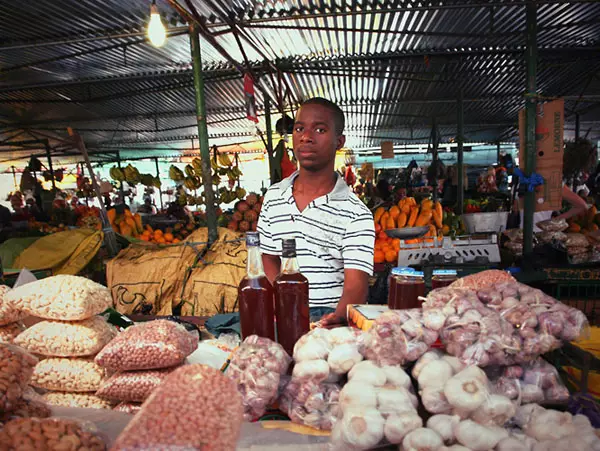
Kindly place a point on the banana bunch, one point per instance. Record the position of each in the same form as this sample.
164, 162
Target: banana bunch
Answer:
156, 183
147, 180
216, 179
197, 165
192, 182
233, 173
117, 174
195, 200
176, 174
240, 193
132, 175
224, 160
189, 170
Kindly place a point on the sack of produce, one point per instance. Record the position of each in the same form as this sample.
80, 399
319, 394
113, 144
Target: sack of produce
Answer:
49, 434
576, 240
8, 312
483, 279
515, 235
63, 297
256, 368
553, 225
9, 332
66, 338
549, 237
128, 407
146, 346
311, 403
16, 367
515, 247
574, 251
26, 408
132, 386
85, 400
398, 337
71, 375
196, 407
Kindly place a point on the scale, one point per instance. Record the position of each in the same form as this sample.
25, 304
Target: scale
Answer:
480, 249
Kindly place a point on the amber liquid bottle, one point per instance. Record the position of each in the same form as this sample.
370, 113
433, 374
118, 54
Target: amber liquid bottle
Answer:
291, 299
255, 295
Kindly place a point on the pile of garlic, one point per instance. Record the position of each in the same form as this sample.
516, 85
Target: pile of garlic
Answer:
377, 403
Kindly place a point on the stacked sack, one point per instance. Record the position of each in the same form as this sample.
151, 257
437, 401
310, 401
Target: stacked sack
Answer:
67, 339
10, 325
142, 357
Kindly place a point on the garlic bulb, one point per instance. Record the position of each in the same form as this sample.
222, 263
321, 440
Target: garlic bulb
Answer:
394, 400
357, 394
368, 373
512, 444
435, 374
444, 426
422, 439
343, 357
478, 437
396, 376
455, 363
429, 356
465, 391
317, 370
550, 425
495, 410
343, 335
360, 427
398, 425
434, 400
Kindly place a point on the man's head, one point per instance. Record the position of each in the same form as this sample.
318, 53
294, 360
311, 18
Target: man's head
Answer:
318, 134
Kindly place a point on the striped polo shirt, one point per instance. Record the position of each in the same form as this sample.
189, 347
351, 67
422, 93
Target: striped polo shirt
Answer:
333, 233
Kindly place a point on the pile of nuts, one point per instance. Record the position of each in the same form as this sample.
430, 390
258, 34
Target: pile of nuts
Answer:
48, 434
85, 400
133, 386
68, 374
196, 407
16, 367
10, 318
9, 332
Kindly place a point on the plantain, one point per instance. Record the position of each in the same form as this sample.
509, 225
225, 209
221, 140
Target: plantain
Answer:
216, 179
213, 164
189, 170
176, 174
197, 164
116, 174
224, 160
240, 193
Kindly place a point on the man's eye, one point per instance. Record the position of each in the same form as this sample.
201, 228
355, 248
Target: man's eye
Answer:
298, 129
321, 130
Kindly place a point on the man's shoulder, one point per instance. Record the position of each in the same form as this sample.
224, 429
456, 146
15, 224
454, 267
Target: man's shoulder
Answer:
356, 206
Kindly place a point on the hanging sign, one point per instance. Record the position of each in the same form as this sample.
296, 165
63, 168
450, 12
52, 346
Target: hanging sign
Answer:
387, 149
249, 98
549, 132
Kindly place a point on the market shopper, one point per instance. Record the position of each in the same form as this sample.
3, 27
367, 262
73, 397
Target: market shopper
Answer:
334, 230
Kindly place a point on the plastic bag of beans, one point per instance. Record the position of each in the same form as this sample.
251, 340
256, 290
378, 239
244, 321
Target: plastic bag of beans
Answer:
128, 407
146, 346
48, 434
85, 400
64, 374
67, 339
63, 297
132, 386
16, 367
10, 331
8, 313
196, 407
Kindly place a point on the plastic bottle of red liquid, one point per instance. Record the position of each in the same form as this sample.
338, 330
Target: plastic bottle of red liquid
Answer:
255, 294
291, 299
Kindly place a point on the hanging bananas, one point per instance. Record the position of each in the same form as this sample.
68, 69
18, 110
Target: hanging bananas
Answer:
117, 174
132, 175
176, 174
224, 160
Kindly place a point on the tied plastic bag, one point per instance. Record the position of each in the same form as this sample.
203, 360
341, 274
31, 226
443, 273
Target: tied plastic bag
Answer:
8, 313
132, 386
311, 403
16, 368
67, 298
9, 332
66, 338
146, 346
128, 407
483, 279
398, 337
553, 225
194, 408
49, 434
576, 240
71, 375
548, 237
256, 368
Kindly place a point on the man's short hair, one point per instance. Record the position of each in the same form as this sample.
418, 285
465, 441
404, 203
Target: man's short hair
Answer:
338, 114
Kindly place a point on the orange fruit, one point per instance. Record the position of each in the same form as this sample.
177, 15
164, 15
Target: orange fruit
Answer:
378, 257
176, 240
394, 212
377, 228
382, 236
160, 240
377, 245
158, 232
168, 237
391, 256
396, 243
145, 237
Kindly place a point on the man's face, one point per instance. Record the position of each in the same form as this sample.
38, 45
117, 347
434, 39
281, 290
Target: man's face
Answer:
315, 138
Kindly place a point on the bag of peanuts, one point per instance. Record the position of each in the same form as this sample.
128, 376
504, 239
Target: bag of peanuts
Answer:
196, 407
10, 331
8, 313
67, 339
63, 297
64, 374
132, 386
48, 434
26, 408
85, 400
16, 367
128, 407
146, 346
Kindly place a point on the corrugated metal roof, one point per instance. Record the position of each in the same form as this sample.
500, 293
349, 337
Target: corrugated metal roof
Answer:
392, 65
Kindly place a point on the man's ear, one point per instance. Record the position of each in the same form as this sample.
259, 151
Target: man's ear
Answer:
341, 140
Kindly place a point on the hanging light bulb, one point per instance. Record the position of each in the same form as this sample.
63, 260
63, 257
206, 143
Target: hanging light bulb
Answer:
157, 32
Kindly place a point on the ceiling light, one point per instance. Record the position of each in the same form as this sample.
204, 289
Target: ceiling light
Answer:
157, 32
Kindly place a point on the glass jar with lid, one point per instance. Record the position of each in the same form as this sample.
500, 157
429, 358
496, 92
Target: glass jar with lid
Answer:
443, 278
406, 286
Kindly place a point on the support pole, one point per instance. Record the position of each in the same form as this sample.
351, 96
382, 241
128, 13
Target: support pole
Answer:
498, 148
121, 189
577, 126
269, 133
50, 164
460, 165
434, 158
530, 123
209, 194
158, 177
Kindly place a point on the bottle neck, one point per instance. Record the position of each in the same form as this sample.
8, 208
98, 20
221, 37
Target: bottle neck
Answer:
289, 265
254, 264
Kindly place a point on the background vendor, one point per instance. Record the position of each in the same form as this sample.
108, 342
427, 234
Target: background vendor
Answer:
333, 229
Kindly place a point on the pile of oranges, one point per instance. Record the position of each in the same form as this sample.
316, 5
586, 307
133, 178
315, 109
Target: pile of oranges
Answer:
158, 236
386, 248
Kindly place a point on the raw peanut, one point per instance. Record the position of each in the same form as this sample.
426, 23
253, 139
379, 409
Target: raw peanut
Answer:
132, 386
151, 345
16, 367
128, 407
10, 331
8, 313
196, 407
67, 338
86, 400
48, 434
63, 297
68, 374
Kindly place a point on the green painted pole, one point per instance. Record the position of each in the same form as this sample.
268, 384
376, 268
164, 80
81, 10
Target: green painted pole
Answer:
460, 163
269, 139
530, 123
209, 194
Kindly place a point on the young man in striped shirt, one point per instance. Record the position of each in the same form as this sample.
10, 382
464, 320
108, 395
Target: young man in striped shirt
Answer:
333, 229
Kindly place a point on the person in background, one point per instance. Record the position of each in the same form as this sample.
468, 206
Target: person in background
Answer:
147, 208
19, 212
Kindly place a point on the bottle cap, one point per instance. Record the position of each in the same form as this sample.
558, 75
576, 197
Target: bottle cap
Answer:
288, 248
445, 272
252, 239
401, 270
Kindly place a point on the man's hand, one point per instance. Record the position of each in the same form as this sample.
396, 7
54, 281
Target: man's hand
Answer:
332, 320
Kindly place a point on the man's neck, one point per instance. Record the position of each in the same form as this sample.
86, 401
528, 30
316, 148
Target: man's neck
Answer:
321, 182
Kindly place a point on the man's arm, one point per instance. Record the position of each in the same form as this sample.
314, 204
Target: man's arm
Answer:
356, 289
272, 265
577, 204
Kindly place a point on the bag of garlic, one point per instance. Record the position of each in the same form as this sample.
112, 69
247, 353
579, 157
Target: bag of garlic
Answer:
310, 403
256, 368
398, 337
503, 324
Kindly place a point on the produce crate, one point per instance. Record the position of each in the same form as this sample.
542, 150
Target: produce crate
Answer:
583, 295
573, 357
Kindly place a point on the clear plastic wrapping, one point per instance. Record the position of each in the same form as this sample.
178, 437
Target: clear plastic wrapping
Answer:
67, 338
9, 332
196, 407
548, 237
553, 225
128, 407
576, 240
150, 345
132, 386
71, 375
85, 400
51, 434
310, 403
26, 408
62, 297
8, 313
16, 367
256, 368
483, 279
